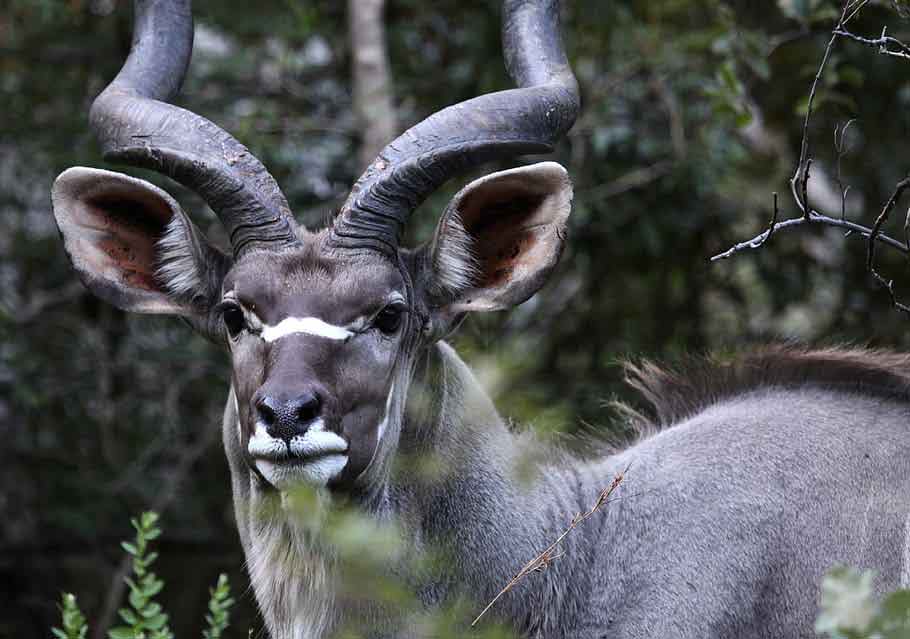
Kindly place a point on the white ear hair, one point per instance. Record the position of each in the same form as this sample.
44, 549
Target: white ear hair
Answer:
454, 261
178, 268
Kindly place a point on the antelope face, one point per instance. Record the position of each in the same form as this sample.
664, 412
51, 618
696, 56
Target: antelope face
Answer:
314, 336
322, 337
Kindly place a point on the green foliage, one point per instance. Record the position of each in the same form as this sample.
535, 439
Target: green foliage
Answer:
74, 626
144, 618
808, 11
902, 7
371, 556
220, 604
850, 611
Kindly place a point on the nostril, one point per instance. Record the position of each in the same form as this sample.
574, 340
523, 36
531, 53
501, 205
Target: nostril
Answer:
266, 412
309, 409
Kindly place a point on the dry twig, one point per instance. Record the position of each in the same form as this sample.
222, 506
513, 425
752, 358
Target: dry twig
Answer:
800, 180
882, 43
543, 560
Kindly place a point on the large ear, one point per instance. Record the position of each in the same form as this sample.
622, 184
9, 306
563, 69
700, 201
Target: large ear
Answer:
498, 239
133, 246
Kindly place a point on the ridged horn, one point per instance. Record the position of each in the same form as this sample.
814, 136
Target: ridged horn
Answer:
529, 119
135, 125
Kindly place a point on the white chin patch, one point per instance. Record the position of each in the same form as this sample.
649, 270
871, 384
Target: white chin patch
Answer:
315, 458
286, 475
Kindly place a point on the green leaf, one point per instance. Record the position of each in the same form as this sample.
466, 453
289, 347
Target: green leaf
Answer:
743, 119
153, 588
74, 626
893, 621
137, 600
157, 622
121, 632
128, 616
130, 548
846, 602
800, 10
148, 520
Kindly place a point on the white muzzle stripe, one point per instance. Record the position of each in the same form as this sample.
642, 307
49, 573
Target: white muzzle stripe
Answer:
306, 325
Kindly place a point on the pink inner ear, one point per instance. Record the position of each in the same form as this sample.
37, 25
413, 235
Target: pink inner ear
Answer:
503, 221
129, 227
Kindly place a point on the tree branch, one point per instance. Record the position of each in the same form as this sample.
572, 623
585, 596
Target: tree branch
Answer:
799, 181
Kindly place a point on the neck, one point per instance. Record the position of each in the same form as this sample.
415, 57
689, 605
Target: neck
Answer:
489, 499
466, 489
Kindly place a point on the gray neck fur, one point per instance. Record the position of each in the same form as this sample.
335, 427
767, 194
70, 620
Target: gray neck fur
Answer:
475, 507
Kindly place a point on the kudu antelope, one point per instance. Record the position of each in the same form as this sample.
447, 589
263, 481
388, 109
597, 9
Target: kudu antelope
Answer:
756, 478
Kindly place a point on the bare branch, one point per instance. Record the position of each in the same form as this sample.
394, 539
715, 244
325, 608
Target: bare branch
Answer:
876, 231
882, 43
840, 146
628, 181
814, 218
800, 180
41, 301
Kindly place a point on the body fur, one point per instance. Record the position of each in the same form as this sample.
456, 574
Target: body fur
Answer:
724, 526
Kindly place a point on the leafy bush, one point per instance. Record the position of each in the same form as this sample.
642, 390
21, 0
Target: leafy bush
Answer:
144, 617
850, 611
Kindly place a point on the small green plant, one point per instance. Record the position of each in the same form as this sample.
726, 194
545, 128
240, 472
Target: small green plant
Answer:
144, 618
850, 611
74, 626
219, 608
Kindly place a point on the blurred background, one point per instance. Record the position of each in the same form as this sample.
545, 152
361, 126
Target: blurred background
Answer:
692, 117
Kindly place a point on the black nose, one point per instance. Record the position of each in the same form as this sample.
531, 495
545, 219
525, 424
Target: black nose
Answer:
286, 419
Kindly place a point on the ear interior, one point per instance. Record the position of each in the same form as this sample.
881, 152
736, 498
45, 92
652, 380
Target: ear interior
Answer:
111, 226
119, 235
509, 224
503, 234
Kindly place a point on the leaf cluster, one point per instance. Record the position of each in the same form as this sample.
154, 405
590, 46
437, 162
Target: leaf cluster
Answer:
850, 611
220, 604
74, 626
144, 617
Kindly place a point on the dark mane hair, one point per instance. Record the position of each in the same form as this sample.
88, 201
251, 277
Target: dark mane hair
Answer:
674, 394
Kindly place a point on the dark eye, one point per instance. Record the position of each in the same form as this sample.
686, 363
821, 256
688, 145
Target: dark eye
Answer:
389, 319
232, 315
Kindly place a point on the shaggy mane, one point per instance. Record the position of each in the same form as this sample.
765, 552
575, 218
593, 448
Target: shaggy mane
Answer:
678, 393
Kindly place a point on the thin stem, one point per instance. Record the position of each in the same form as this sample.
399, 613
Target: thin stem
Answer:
541, 561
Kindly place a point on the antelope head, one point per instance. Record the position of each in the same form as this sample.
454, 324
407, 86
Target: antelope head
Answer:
323, 326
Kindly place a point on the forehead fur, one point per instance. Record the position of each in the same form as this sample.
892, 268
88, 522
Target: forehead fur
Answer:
313, 280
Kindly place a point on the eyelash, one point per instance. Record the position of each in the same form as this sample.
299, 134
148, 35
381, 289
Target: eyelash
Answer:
227, 309
388, 320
